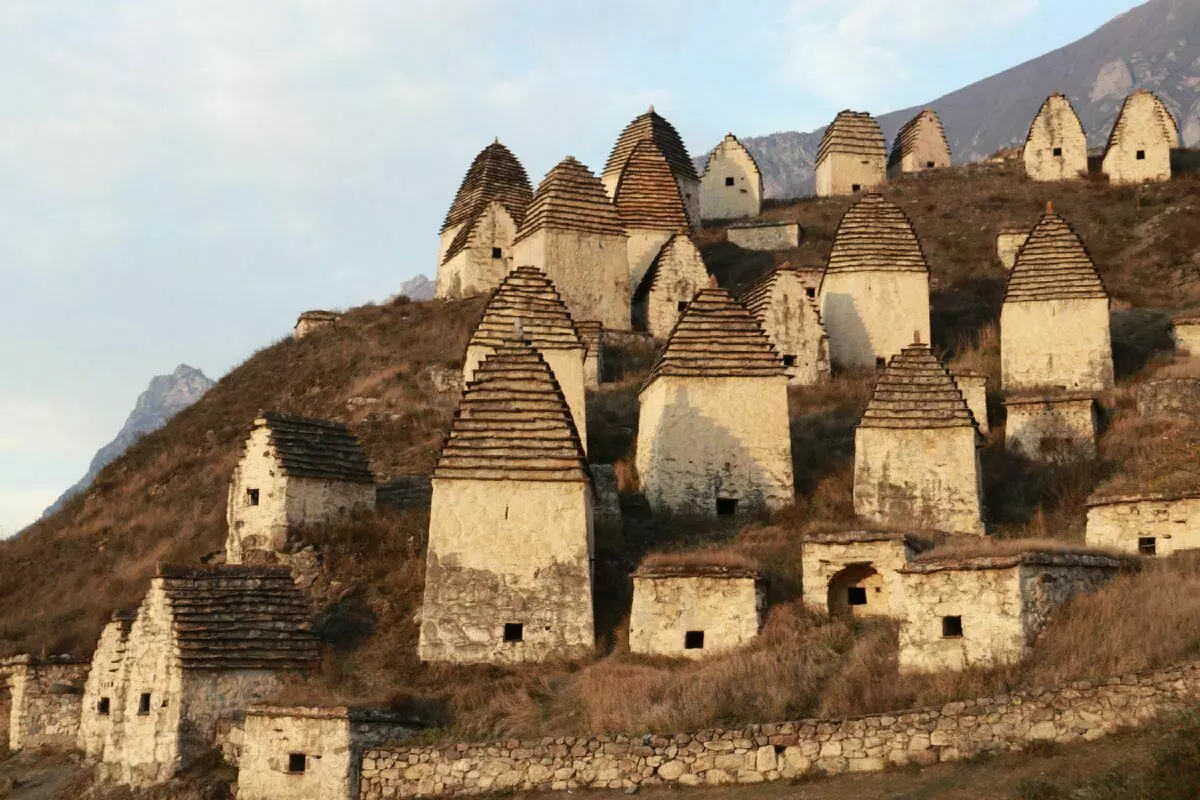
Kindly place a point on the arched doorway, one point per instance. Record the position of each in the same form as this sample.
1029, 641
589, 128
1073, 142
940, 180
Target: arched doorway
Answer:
858, 590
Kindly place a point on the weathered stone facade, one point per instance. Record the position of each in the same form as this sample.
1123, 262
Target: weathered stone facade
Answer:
920, 145
650, 206
1186, 333
103, 706
1168, 396
1148, 525
311, 321
45, 697
973, 387
591, 333
764, 235
855, 573
731, 186
662, 133
1139, 146
1056, 146
673, 279
1008, 244
852, 157
1055, 428
790, 317
695, 611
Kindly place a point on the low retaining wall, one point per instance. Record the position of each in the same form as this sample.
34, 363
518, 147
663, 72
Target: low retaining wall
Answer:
1081, 711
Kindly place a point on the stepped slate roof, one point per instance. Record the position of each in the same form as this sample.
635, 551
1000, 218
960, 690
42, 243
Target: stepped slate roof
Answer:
654, 127
916, 391
495, 174
527, 295
730, 142
671, 249
467, 233
875, 235
571, 198
513, 423
1045, 109
716, 337
1053, 264
315, 448
757, 297
854, 132
910, 134
1165, 120
239, 617
647, 195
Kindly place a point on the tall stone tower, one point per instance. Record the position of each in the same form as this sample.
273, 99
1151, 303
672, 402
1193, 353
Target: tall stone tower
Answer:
731, 186
1139, 146
781, 303
920, 145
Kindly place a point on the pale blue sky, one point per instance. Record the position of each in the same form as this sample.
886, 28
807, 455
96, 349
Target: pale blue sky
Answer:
180, 178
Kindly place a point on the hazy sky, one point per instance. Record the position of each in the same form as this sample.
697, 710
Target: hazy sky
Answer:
180, 178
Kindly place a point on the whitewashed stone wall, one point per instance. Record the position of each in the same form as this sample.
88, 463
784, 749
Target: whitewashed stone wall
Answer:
1051, 429
103, 706
793, 323
832, 565
476, 269
873, 315
765, 236
725, 609
642, 246
590, 271
44, 704
681, 274
721, 199
1008, 242
1134, 524
974, 390
1142, 151
1064, 344
1186, 335
843, 174
1056, 149
311, 321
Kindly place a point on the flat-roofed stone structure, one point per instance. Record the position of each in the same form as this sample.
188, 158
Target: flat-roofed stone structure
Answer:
477, 236
855, 573
655, 127
1185, 332
792, 321
45, 697
713, 431
731, 186
1008, 244
916, 460
852, 157
103, 706
695, 611
294, 472
1140, 143
920, 145
1054, 323
987, 610
764, 235
875, 292
1148, 524
573, 233
313, 320
973, 386
1056, 146
591, 333
508, 572
673, 279
1056, 428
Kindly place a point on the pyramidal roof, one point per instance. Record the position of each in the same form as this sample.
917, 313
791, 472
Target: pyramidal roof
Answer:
1053, 264
730, 142
875, 235
654, 127
910, 134
716, 337
513, 423
527, 299
1164, 120
571, 198
495, 174
1056, 99
647, 195
916, 391
679, 246
758, 296
315, 448
854, 132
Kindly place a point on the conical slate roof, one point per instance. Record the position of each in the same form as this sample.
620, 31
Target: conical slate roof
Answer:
654, 127
527, 295
910, 134
1053, 264
716, 337
916, 391
571, 198
647, 195
854, 132
1053, 100
495, 174
513, 423
875, 235
1164, 120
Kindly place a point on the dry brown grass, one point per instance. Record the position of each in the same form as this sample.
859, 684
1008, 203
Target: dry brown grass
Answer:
975, 546
708, 557
1153, 455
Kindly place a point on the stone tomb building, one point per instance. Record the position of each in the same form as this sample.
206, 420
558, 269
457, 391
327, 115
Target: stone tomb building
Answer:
1139, 146
1057, 428
573, 233
920, 145
792, 321
527, 301
852, 157
856, 573
1145, 524
673, 279
294, 472
986, 611
916, 460
314, 320
1185, 332
731, 186
875, 292
45, 697
508, 573
713, 431
103, 707
1056, 146
1008, 244
475, 247
695, 610
662, 133
650, 206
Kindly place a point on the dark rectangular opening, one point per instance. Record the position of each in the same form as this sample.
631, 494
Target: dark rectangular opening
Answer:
810, 291
1147, 545
252, 497
297, 762
729, 181
789, 361
856, 595
103, 706
952, 627
680, 306
856, 187
880, 362
928, 165
514, 632
693, 640
1057, 151
144, 703
497, 252
1141, 155
726, 506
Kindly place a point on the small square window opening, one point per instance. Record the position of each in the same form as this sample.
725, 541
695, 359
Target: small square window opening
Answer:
514, 632
880, 362
103, 706
810, 291
297, 762
144, 703
680, 306
856, 595
856, 187
789, 361
1057, 151
1147, 545
252, 497
1141, 155
693, 640
929, 165
726, 506
952, 627
729, 181
497, 252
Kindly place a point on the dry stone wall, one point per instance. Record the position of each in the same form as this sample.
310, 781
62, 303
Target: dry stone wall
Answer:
45, 700
765, 236
1168, 396
1151, 525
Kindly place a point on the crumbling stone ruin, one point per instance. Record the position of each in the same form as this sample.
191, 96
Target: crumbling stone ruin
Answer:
103, 704
45, 696
294, 472
974, 390
1008, 243
673, 279
1058, 427
1140, 143
855, 573
787, 311
695, 610
477, 237
852, 157
314, 320
650, 206
987, 610
574, 234
875, 292
919, 145
508, 575
1185, 332
771, 235
713, 435
1056, 146
731, 186
1148, 524
662, 133
916, 460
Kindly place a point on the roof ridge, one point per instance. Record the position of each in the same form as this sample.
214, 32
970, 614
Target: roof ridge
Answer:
1053, 264
876, 235
654, 126
917, 391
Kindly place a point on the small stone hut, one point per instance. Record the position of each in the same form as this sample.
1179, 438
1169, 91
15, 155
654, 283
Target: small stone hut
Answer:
508, 572
695, 610
973, 386
1057, 427
1054, 323
1185, 332
294, 472
1140, 143
792, 321
875, 292
731, 186
920, 145
852, 157
313, 320
916, 459
45, 696
650, 206
673, 279
103, 704
713, 435
477, 236
1148, 524
1056, 146
856, 573
987, 610
527, 301
573, 233
662, 133
1008, 244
